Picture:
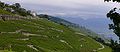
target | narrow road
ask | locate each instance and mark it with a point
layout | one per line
(101, 47)
(97, 42)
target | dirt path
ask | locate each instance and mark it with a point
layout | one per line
(101, 47)
(32, 46)
(80, 33)
(63, 41)
(97, 42)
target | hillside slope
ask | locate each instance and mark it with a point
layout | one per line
(42, 35)
(5, 12)
(75, 27)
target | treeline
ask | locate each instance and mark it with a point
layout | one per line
(113, 44)
(58, 20)
(112, 0)
(15, 9)
(114, 16)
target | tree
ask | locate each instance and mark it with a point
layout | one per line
(19, 10)
(115, 46)
(112, 0)
(100, 40)
(2, 5)
(114, 16)
(17, 5)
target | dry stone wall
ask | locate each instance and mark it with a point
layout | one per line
(10, 17)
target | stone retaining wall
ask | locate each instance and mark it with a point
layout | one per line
(10, 17)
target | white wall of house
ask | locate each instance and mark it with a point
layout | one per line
(34, 13)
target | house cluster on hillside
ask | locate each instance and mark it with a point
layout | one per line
(16, 9)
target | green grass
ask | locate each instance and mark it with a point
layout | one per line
(46, 38)
(107, 49)
(5, 12)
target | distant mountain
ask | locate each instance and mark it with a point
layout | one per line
(59, 20)
(98, 25)
(77, 27)
(95, 24)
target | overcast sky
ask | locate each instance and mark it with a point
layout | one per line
(72, 8)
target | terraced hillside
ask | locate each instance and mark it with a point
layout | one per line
(42, 35)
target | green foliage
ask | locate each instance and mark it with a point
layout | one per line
(115, 46)
(17, 5)
(15, 9)
(5, 12)
(112, 0)
(19, 10)
(115, 17)
(1, 4)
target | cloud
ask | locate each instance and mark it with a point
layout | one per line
(11, 1)
(61, 3)
(81, 8)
